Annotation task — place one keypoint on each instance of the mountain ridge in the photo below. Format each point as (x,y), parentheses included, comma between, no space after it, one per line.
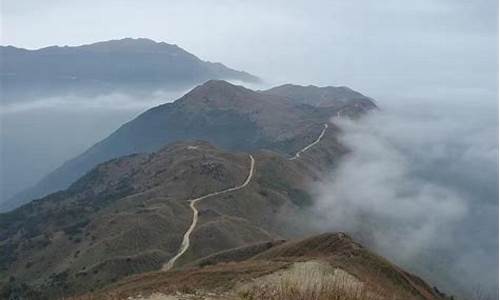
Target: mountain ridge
(357,274)
(326,96)
(230,116)
(102,67)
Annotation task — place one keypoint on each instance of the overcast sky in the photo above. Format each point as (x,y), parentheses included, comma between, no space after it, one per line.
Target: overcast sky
(389,49)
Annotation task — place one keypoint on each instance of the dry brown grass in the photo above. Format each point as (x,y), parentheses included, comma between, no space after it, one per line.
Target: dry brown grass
(309,281)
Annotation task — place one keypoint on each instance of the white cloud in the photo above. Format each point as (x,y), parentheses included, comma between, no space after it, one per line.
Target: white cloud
(421,181)
(105,102)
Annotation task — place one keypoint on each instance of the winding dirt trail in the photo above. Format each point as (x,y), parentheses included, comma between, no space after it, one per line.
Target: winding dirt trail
(192,203)
(297,155)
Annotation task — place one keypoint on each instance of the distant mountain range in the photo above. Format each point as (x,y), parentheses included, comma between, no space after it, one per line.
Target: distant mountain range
(126,64)
(233,117)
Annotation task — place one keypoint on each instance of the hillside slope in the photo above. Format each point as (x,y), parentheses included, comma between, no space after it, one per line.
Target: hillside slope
(128,215)
(326,266)
(226,115)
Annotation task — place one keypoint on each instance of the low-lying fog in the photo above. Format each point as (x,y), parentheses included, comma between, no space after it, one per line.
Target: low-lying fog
(38,135)
(421,185)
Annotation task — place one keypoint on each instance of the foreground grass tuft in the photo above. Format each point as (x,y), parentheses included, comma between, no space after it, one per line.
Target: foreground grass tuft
(308,281)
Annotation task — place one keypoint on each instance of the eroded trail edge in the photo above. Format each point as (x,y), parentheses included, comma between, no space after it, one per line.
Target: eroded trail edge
(297,155)
(192,203)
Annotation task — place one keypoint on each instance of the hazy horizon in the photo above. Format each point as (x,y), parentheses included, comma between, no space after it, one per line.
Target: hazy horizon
(397,49)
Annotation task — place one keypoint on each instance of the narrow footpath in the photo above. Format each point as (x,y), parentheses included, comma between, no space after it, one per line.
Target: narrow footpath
(192,203)
(297,155)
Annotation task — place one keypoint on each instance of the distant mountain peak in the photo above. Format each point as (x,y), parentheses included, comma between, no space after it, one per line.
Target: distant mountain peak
(128,41)
(134,45)
(219,92)
(216,86)
(114,44)
(219,84)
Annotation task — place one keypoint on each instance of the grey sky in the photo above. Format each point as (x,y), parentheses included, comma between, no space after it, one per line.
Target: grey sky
(423,48)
